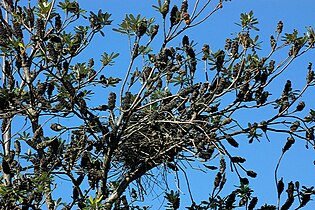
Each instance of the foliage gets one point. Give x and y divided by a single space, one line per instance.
157 116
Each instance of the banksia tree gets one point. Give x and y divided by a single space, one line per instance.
107 141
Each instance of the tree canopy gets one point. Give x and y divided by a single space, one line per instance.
68 124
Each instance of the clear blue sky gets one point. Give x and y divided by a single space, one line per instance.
261 157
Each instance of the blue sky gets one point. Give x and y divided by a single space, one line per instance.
261 157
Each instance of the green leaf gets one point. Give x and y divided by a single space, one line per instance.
107 59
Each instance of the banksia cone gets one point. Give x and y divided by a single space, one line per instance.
5 167
75 44
310 75
287 87
135 50
217 179
165 8
206 51
91 63
220 60
58 23
273 42
50 89
52 52
263 77
279 27
142 29
234 49
295 126
228 44
30 18
238 159
17 147
65 67
85 160
57 127
185 41
226 121
252 174
186 18
184 6
154 30
17 29
222 165
244 181
231 141
310 134
174 19
230 200
300 106
252 203
111 100
290 189
75 8
284 104
40 30
280 187
271 66
288 144
126 102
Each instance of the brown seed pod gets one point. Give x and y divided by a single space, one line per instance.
6 167
111 100
40 30
252 203
184 6
273 42
251 173
58 23
279 27
238 159
17 147
142 29
217 179
288 144
165 8
300 106
186 18
17 29
231 141
230 200
222 165
154 30
244 181
310 134
280 187
295 126
174 19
